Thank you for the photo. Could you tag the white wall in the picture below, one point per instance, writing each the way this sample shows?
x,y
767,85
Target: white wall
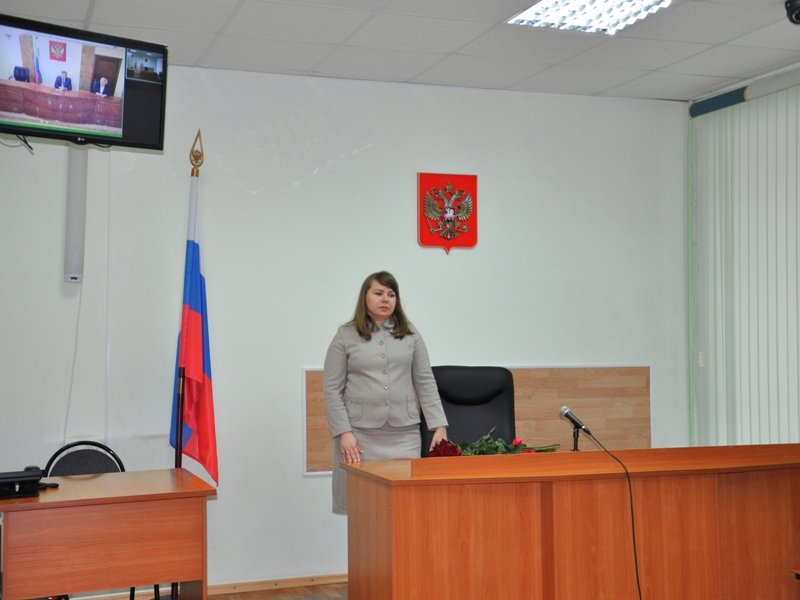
x,y
10,55
308,185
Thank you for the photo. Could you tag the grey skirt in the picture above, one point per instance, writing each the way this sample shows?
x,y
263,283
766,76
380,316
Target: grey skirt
x,y
383,443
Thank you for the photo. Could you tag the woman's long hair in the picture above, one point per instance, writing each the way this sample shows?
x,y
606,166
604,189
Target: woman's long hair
x,y
364,323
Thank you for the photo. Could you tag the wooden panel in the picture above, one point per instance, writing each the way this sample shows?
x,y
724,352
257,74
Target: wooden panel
x,y
467,563
100,547
675,518
369,539
439,547
592,540
759,545
613,401
319,447
675,528
712,523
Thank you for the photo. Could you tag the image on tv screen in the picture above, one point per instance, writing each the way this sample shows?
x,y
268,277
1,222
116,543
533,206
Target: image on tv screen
x,y
63,86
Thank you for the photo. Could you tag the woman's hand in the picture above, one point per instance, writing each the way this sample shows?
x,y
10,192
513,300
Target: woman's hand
x,y
438,435
351,451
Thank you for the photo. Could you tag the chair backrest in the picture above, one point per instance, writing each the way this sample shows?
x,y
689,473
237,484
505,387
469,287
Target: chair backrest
x,y
83,458
21,74
475,400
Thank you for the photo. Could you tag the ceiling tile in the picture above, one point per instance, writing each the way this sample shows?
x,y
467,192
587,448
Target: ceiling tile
x,y
250,54
375,63
474,71
514,42
701,22
369,5
763,4
782,35
734,61
465,10
47,10
668,86
562,79
298,23
628,53
184,47
186,15
423,34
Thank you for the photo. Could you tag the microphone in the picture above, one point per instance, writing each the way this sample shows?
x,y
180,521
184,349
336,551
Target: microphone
x,y
576,422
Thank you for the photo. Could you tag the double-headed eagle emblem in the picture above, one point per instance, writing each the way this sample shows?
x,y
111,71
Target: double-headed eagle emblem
x,y
447,211
58,50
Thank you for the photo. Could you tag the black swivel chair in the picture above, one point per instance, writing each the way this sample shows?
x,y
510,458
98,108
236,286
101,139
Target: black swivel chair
x,y
21,74
476,401
87,458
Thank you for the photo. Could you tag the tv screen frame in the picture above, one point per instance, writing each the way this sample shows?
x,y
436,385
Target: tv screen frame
x,y
114,92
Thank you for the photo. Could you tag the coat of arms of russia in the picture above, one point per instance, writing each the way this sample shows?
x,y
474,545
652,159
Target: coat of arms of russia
x,y
58,50
448,210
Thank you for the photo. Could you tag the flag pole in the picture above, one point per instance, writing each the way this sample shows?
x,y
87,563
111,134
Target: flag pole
x,y
196,159
179,420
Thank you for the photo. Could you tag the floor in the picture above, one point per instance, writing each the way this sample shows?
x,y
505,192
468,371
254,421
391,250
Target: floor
x,y
334,591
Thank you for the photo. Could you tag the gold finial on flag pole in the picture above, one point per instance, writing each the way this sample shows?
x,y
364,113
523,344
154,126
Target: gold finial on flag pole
x,y
196,154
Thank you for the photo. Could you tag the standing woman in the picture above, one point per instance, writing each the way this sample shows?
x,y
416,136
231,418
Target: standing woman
x,y
375,369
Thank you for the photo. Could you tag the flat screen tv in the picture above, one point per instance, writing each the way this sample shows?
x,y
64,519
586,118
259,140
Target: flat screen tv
x,y
80,86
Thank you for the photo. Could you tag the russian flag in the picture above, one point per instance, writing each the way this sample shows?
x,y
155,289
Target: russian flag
x,y
37,75
199,432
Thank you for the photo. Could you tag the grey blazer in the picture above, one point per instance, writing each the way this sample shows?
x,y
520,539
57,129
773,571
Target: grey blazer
x,y
370,383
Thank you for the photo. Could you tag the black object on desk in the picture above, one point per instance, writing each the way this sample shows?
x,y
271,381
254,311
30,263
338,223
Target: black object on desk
x,y
20,484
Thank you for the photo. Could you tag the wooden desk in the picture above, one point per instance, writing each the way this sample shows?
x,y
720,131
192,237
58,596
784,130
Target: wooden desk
x,y
44,102
711,523
109,531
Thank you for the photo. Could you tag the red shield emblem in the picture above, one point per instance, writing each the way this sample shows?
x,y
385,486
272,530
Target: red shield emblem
x,y
58,50
448,210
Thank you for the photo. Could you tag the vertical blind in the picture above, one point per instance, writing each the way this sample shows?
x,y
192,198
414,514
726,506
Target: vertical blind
x,y
745,272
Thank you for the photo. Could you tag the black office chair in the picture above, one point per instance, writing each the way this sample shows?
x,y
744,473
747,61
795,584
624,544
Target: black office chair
x,y
87,458
83,458
21,74
476,401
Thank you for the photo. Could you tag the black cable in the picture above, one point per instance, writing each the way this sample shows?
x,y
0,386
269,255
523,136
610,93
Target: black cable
x,y
633,519
7,145
24,141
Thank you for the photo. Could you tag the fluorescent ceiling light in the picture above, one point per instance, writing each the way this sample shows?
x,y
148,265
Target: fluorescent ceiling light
x,y
594,16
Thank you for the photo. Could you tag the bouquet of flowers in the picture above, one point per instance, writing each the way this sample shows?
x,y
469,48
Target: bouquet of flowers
x,y
486,444
445,448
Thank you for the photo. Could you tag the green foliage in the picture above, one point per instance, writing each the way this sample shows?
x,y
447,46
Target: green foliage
x,y
486,444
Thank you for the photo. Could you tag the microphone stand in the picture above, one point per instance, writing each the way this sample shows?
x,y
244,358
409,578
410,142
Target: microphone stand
x,y
576,431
